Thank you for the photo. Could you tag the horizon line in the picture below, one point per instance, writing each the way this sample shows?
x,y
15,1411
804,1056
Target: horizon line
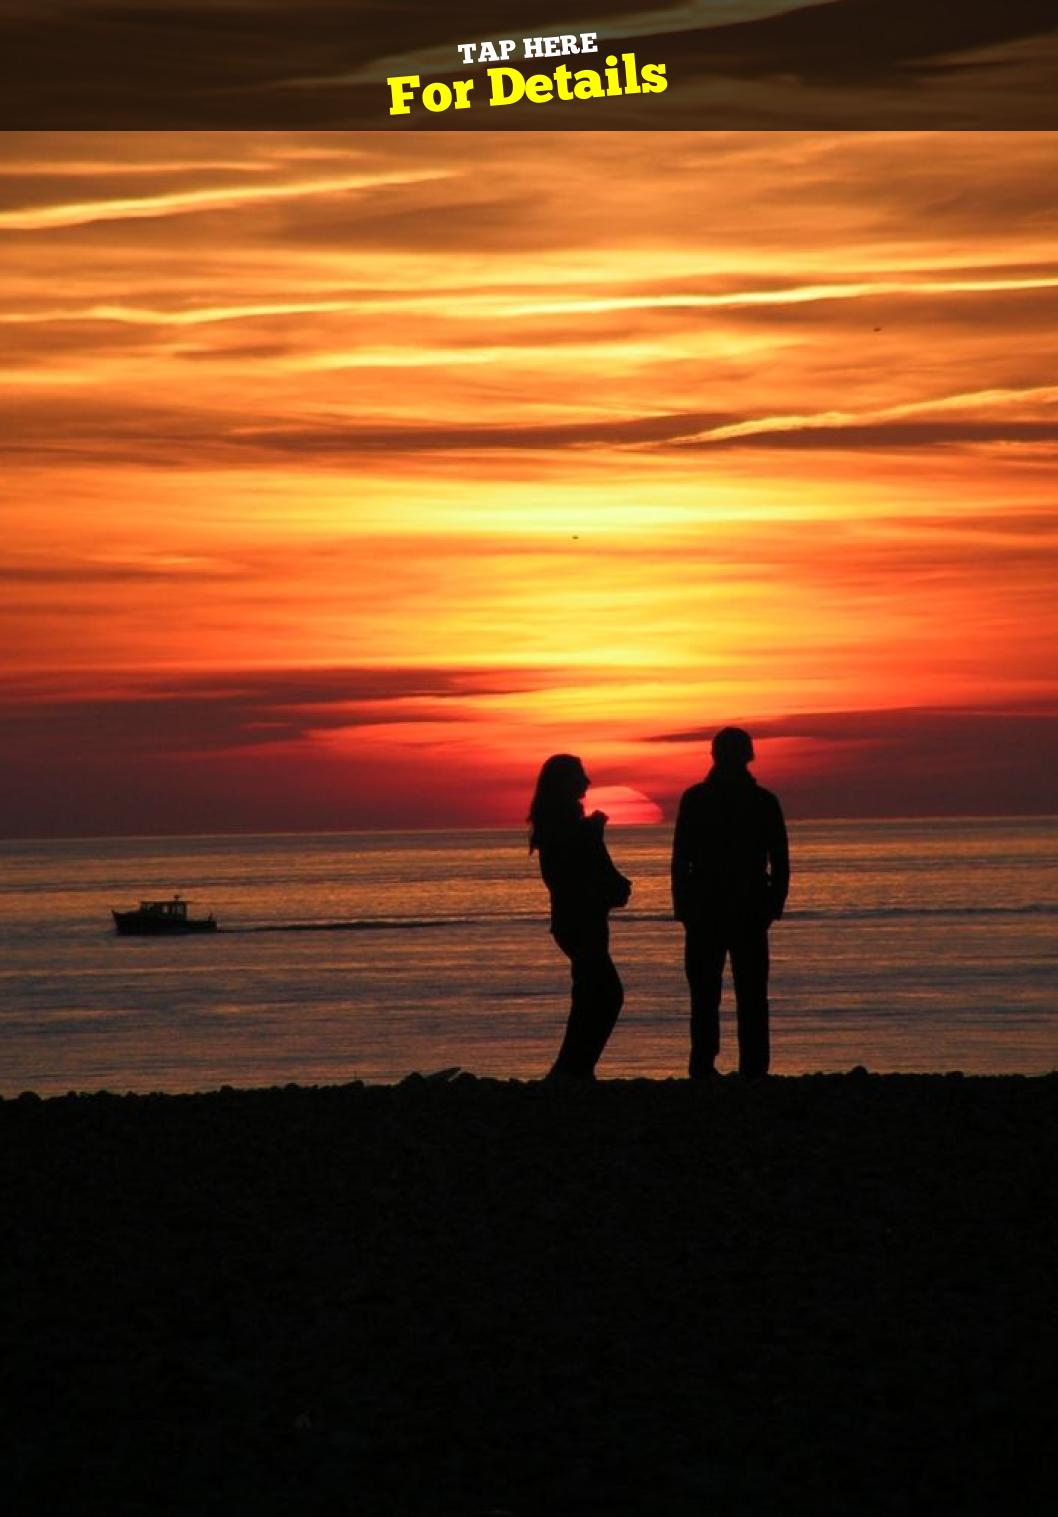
x,y
146,837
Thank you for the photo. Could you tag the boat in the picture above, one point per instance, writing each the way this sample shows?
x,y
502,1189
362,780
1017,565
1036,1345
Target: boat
x,y
161,919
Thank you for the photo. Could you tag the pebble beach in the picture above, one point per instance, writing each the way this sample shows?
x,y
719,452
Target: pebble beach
x,y
818,1295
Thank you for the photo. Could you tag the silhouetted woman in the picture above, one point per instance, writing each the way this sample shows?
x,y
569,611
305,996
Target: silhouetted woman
x,y
584,887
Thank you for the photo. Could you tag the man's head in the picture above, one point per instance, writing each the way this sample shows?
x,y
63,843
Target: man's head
x,y
732,748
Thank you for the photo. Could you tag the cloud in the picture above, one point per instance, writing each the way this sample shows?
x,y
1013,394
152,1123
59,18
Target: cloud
x,y
888,435
863,38
900,426
166,569
214,712
230,197
351,439
909,288
918,761
899,724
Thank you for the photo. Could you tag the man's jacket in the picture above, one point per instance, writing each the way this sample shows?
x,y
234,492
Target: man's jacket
x,y
730,856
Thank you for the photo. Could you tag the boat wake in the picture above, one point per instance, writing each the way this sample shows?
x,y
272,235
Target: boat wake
x,y
837,914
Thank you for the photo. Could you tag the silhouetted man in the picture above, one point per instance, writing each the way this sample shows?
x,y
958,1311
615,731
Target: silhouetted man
x,y
730,877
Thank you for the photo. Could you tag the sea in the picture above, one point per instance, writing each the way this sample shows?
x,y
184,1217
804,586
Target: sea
x,y
920,946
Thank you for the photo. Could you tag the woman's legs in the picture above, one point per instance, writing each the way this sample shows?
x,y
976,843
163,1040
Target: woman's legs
x,y
596,1000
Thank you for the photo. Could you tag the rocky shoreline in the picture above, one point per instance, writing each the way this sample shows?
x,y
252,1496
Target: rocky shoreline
x,y
813,1295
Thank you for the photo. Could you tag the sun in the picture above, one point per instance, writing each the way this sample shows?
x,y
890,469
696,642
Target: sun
x,y
624,806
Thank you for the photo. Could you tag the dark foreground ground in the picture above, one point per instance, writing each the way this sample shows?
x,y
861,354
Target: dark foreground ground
x,y
821,1295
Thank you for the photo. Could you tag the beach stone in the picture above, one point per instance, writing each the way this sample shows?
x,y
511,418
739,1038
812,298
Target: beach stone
x,y
442,1076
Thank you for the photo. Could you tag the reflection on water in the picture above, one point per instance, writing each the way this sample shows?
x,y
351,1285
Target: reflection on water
x,y
908,945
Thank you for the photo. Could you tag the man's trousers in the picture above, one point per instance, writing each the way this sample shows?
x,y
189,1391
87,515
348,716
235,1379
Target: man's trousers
x,y
709,943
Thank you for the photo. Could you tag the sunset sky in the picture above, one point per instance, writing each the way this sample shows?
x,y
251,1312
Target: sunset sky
x,y
347,475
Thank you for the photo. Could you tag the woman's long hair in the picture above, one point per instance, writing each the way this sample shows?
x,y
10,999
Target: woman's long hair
x,y
556,801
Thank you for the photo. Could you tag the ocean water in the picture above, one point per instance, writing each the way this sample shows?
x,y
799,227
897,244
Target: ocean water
x,y
907,946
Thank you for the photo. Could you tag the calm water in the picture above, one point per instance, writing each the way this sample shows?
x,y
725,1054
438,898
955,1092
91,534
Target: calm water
x,y
907,946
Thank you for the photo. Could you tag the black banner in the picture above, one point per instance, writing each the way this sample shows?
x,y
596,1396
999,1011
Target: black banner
x,y
712,65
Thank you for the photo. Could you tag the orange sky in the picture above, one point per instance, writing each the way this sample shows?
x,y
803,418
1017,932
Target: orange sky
x,y
348,475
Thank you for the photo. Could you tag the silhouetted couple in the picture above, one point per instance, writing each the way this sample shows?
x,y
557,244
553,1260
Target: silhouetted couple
x,y
730,877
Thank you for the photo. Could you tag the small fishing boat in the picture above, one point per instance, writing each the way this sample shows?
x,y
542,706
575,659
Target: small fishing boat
x,y
161,919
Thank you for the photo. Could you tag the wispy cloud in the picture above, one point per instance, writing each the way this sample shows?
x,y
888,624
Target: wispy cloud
x,y
232,197
219,711
901,425
804,295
